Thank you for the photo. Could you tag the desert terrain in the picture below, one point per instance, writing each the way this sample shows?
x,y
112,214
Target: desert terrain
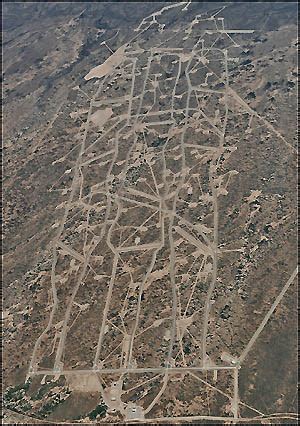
x,y
150,213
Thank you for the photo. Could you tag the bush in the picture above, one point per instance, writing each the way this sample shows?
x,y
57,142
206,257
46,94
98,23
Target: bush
x,y
100,410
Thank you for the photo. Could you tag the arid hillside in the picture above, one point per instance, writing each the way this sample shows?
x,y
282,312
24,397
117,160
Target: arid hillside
x,y
149,237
